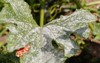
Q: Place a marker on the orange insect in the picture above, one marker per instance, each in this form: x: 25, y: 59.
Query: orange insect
x: 22, y: 51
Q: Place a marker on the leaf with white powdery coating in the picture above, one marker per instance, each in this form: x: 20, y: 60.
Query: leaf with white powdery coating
x: 47, y: 53
x: 58, y: 30
x: 17, y: 15
x: 23, y: 30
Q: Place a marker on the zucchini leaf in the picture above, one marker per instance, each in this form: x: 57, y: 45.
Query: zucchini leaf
x: 24, y: 30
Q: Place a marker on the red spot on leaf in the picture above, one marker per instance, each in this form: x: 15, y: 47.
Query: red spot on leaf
x: 20, y: 52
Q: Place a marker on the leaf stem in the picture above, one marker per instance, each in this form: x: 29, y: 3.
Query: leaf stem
x: 42, y: 17
x: 91, y: 26
x: 93, y: 3
x: 41, y: 20
x: 52, y: 17
x: 42, y: 13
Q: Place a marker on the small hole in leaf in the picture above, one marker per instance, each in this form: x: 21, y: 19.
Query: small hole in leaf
x: 54, y: 44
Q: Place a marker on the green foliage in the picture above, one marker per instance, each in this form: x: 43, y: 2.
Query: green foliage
x: 97, y: 37
x: 6, y: 57
x: 96, y: 30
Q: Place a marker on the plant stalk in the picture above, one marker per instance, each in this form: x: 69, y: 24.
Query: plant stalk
x: 91, y: 26
x: 42, y: 13
x: 42, y: 17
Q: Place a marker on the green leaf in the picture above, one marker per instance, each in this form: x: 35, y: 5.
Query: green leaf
x: 23, y: 30
x: 97, y: 37
x: 96, y: 29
